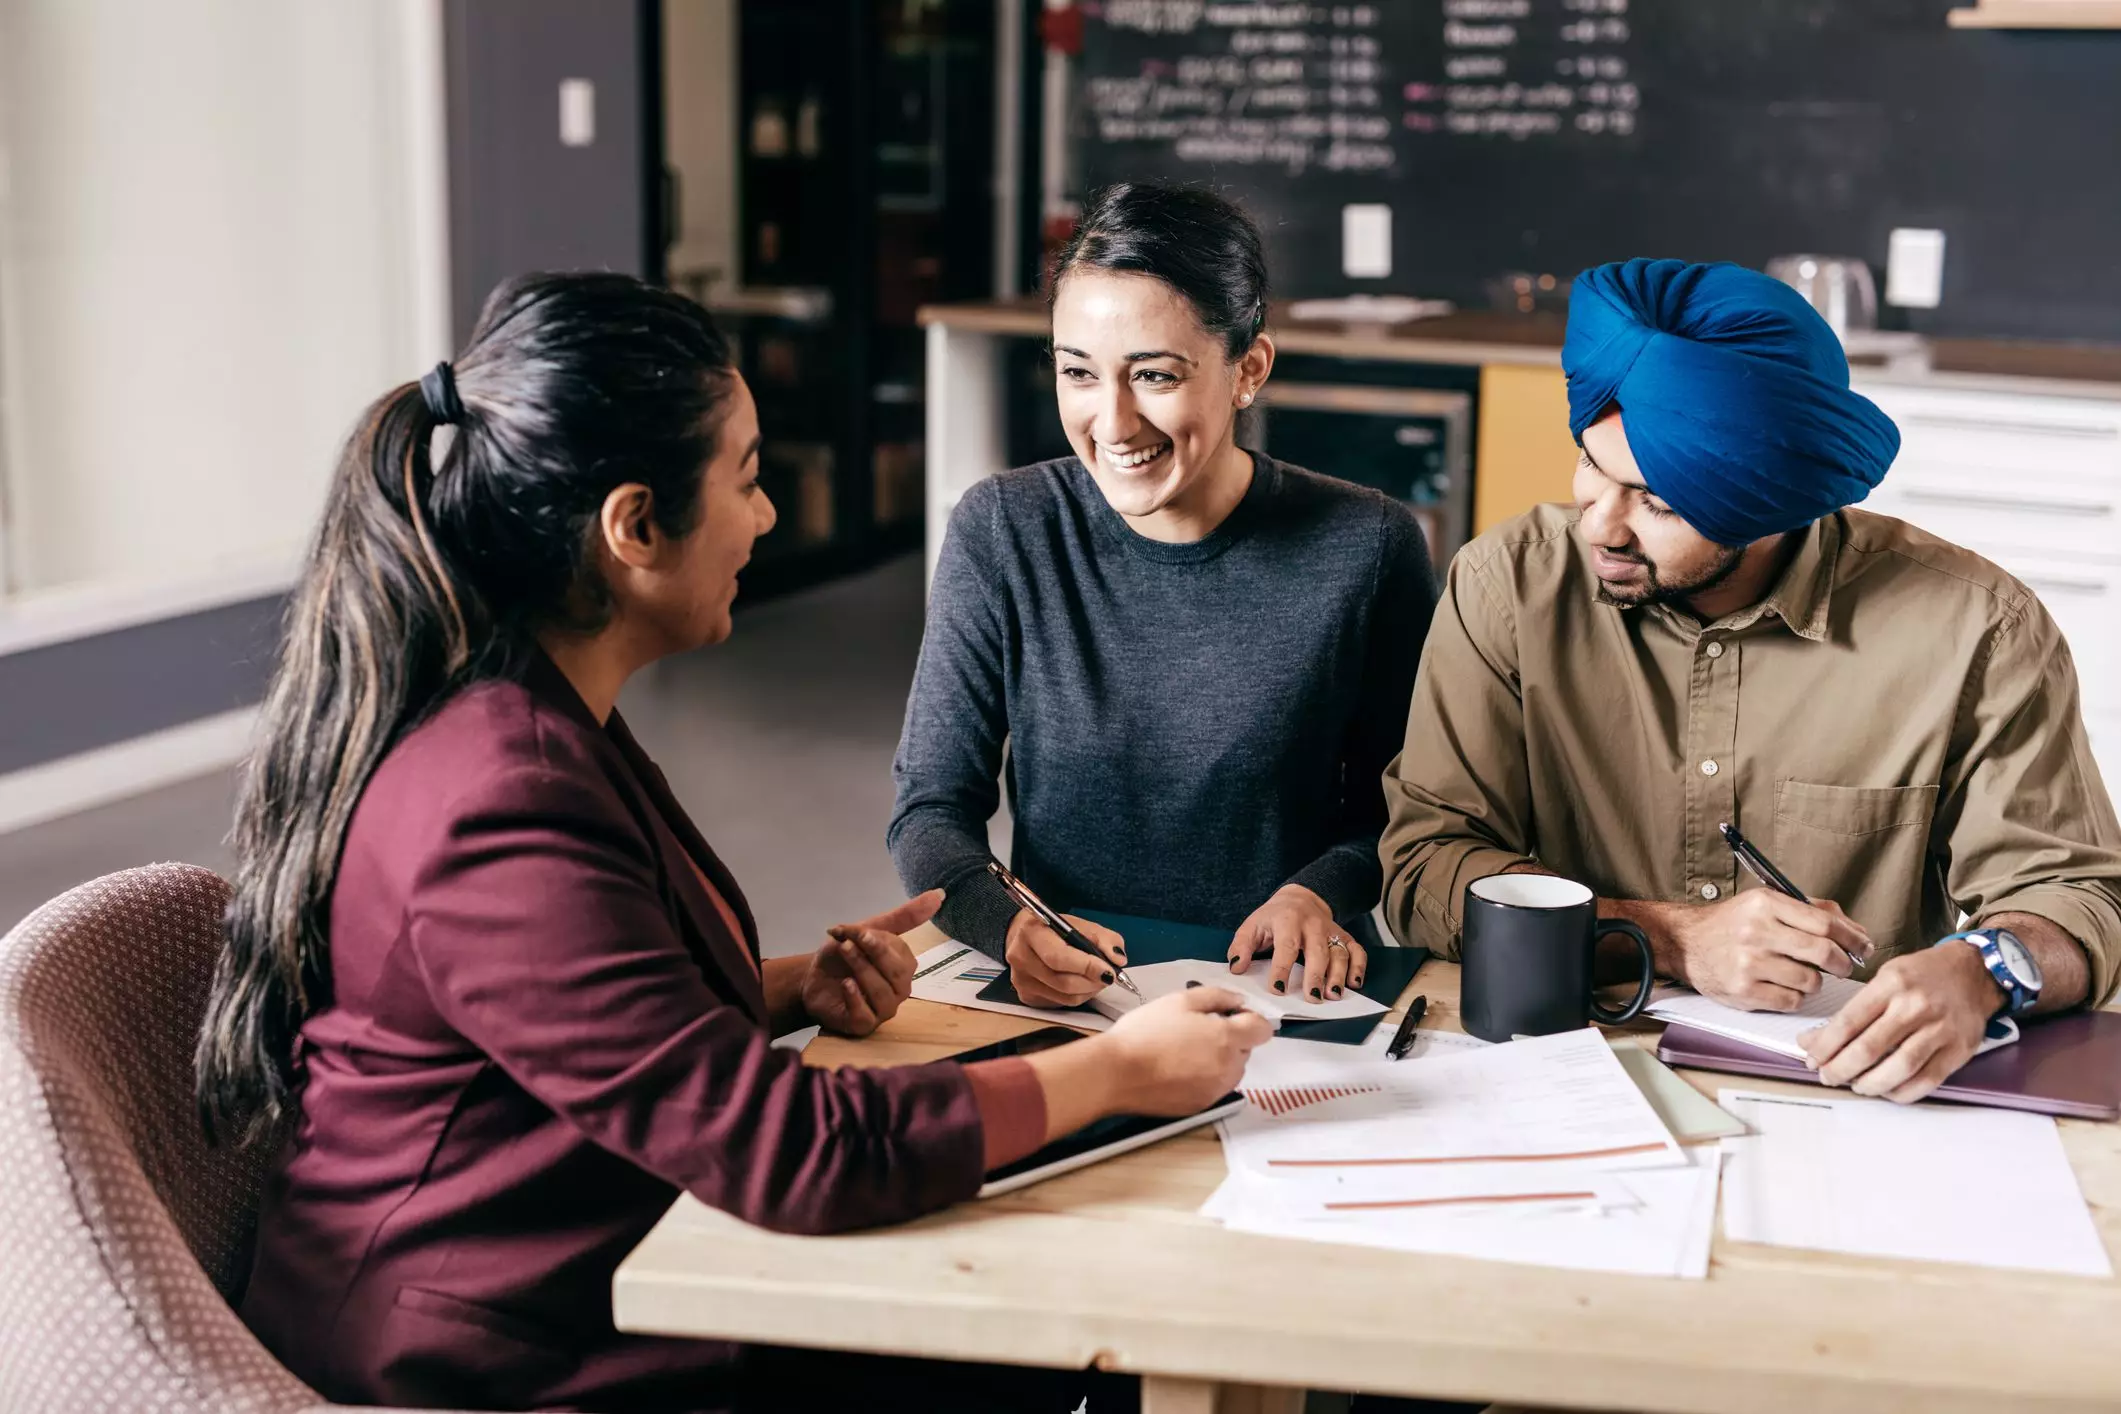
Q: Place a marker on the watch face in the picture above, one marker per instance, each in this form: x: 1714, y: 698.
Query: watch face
x: 2019, y: 960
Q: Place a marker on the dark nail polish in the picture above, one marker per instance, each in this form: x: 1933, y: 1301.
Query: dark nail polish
x: 1336, y: 991
x: 1315, y: 994
x: 1356, y: 983
x: 1281, y: 986
x: 1108, y: 979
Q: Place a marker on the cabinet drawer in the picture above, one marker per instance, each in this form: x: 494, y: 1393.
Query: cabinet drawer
x: 1996, y: 511
x: 2064, y: 438
x: 2085, y: 600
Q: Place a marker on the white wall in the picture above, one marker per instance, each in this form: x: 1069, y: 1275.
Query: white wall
x: 219, y: 240
x: 699, y: 131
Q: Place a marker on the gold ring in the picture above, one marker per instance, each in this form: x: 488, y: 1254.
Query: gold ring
x: 1335, y: 942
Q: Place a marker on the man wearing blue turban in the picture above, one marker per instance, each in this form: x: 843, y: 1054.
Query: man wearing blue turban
x: 1712, y: 634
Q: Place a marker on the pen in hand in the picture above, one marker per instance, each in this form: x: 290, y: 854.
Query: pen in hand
x: 1239, y: 1010
x: 1067, y: 932
x: 1758, y: 866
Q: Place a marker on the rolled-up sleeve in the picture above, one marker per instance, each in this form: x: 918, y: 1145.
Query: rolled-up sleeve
x: 2030, y: 825
x: 543, y: 938
x: 1458, y: 793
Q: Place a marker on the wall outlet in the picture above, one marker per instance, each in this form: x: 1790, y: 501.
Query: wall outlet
x: 1366, y: 241
x: 578, y: 112
x: 1914, y: 268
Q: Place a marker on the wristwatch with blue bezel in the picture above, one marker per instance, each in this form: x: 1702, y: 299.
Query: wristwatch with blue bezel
x: 2010, y: 962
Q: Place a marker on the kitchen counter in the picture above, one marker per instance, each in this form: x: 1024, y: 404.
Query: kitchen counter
x: 1474, y: 338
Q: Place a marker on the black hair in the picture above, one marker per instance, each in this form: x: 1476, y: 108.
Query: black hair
x: 1202, y: 245
x: 427, y: 574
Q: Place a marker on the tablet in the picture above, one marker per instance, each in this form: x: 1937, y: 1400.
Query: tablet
x: 1103, y: 1140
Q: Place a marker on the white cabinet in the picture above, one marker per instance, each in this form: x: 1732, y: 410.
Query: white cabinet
x: 2033, y: 482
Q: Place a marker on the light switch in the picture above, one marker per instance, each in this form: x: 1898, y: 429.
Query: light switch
x: 1366, y: 241
x: 578, y: 112
x: 1914, y: 268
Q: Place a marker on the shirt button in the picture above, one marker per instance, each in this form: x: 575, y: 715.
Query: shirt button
x: 1711, y: 892
x: 1708, y: 768
x: 1714, y: 650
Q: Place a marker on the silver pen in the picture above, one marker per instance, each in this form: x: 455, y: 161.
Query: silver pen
x: 1069, y: 933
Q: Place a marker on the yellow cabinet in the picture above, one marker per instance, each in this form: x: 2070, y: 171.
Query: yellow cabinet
x: 1523, y: 453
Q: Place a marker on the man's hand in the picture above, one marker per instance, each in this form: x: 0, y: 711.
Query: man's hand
x: 1919, y: 1019
x: 1763, y: 951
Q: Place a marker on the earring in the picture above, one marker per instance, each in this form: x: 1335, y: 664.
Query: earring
x: 1244, y: 400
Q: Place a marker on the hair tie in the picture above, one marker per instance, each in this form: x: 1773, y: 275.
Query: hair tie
x: 438, y: 389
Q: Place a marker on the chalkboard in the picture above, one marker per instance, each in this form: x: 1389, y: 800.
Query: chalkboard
x: 1546, y: 135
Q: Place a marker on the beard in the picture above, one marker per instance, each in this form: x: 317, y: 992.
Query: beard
x: 1661, y: 590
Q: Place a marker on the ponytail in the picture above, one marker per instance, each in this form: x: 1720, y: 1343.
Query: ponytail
x: 378, y: 630
x: 423, y: 579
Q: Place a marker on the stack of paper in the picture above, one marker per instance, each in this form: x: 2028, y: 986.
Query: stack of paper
x: 1540, y: 1151
x: 1933, y: 1183
x: 1782, y: 1031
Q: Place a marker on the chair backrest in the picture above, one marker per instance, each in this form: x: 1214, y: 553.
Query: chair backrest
x: 123, y: 1235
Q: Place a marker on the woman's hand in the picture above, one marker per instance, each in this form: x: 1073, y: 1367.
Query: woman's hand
x: 1296, y: 925
x: 1173, y: 1056
x: 1047, y: 972
x: 855, y: 983
x: 1184, y: 1051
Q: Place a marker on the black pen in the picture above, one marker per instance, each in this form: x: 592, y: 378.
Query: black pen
x: 1068, y: 932
x: 1403, y: 1038
x: 1758, y: 866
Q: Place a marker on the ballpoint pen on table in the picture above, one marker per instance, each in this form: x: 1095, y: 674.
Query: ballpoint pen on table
x: 1068, y: 932
x: 1403, y: 1038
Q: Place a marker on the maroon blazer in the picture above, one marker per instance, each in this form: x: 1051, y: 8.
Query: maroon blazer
x: 541, y: 1029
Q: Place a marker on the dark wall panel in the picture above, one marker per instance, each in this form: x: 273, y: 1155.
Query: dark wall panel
x: 520, y: 199
x: 75, y: 696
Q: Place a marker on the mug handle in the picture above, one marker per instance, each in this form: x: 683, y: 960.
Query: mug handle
x: 1649, y: 971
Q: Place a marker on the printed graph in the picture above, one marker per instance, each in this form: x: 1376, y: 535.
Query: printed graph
x: 1278, y: 1100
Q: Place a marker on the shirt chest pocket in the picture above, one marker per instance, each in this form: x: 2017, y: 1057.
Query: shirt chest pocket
x: 1864, y: 847
x: 1853, y: 810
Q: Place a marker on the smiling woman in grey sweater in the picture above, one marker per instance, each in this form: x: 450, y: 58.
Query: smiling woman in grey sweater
x: 1200, y: 658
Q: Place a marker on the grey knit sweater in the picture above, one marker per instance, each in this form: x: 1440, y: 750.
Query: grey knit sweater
x: 1189, y: 726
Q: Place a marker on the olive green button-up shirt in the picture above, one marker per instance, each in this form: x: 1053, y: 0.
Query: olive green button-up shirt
x: 1896, y: 726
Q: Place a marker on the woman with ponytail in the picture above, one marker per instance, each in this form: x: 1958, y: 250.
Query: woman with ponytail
x: 481, y: 969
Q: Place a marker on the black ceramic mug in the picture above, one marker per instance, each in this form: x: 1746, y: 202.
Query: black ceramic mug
x: 1528, y: 945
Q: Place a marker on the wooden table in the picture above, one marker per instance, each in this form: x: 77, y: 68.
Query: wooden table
x: 1111, y: 1267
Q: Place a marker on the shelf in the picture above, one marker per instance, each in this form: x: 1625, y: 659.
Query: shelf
x: 2039, y: 14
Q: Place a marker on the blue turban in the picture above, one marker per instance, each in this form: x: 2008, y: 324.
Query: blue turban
x: 1735, y: 391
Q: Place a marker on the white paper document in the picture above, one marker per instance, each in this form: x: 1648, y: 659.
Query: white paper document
x: 1780, y: 1031
x: 1157, y: 979
x: 1927, y: 1182
x: 953, y: 974
x: 1665, y: 1230
x: 1548, y: 1099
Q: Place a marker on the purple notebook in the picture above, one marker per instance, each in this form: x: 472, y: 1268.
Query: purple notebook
x: 2065, y: 1065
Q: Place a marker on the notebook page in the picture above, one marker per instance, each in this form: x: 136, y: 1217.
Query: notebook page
x: 1781, y: 1031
